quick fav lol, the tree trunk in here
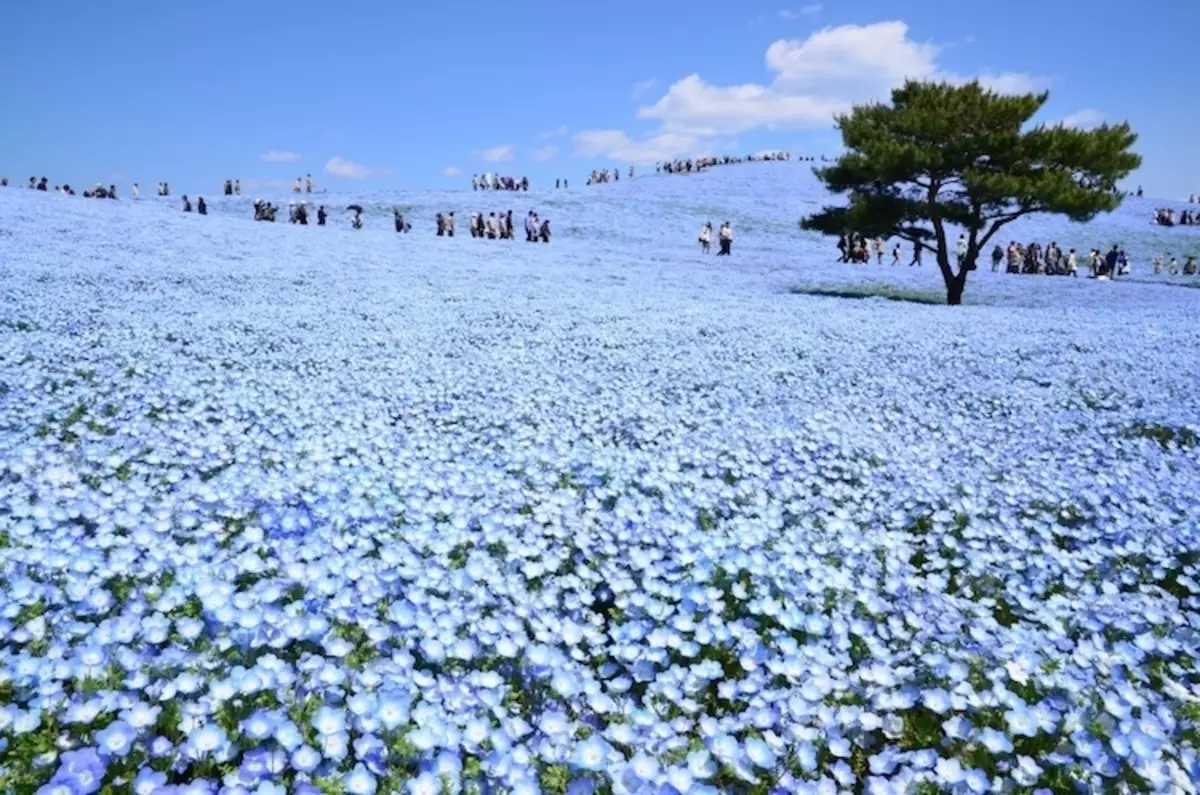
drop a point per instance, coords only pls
(955, 287)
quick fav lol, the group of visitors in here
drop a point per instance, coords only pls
(600, 176)
(856, 248)
(1165, 216)
(307, 184)
(686, 166)
(1051, 261)
(1171, 264)
(233, 187)
(724, 238)
(1033, 258)
(201, 205)
(491, 181)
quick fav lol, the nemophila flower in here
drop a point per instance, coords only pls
(425, 784)
(116, 739)
(260, 725)
(994, 741)
(205, 741)
(359, 781)
(305, 759)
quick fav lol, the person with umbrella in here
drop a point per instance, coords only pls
(357, 220)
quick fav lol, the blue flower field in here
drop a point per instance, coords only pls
(309, 510)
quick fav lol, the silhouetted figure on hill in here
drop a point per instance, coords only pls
(302, 214)
(544, 231)
(136, 191)
(398, 221)
(187, 205)
(357, 221)
(450, 224)
(112, 191)
(322, 214)
(508, 225)
(491, 226)
(440, 220)
(42, 184)
(706, 237)
(237, 187)
(228, 187)
(725, 239)
(201, 206)
(3, 182)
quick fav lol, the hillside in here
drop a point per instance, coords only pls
(655, 218)
(353, 512)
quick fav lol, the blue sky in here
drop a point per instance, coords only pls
(400, 94)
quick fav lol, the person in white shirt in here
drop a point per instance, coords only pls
(725, 238)
(706, 237)
(961, 249)
(137, 192)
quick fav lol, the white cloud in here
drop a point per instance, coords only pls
(802, 11)
(1083, 119)
(557, 132)
(814, 79)
(497, 154)
(451, 171)
(543, 153)
(280, 156)
(340, 167)
(642, 86)
(616, 145)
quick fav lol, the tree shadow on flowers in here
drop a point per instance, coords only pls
(883, 291)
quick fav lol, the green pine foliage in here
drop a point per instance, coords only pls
(943, 155)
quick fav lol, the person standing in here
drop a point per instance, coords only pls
(725, 239)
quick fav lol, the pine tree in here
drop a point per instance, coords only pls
(944, 155)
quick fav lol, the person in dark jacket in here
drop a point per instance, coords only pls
(1110, 261)
(201, 207)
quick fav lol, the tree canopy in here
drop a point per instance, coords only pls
(943, 155)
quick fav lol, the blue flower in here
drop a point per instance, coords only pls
(359, 781)
(116, 739)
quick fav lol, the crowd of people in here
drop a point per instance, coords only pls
(687, 166)
(1029, 259)
(493, 226)
(1165, 216)
(491, 181)
(1014, 258)
(1171, 264)
(599, 176)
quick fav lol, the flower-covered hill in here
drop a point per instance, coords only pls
(300, 509)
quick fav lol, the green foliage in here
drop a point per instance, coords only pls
(944, 155)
